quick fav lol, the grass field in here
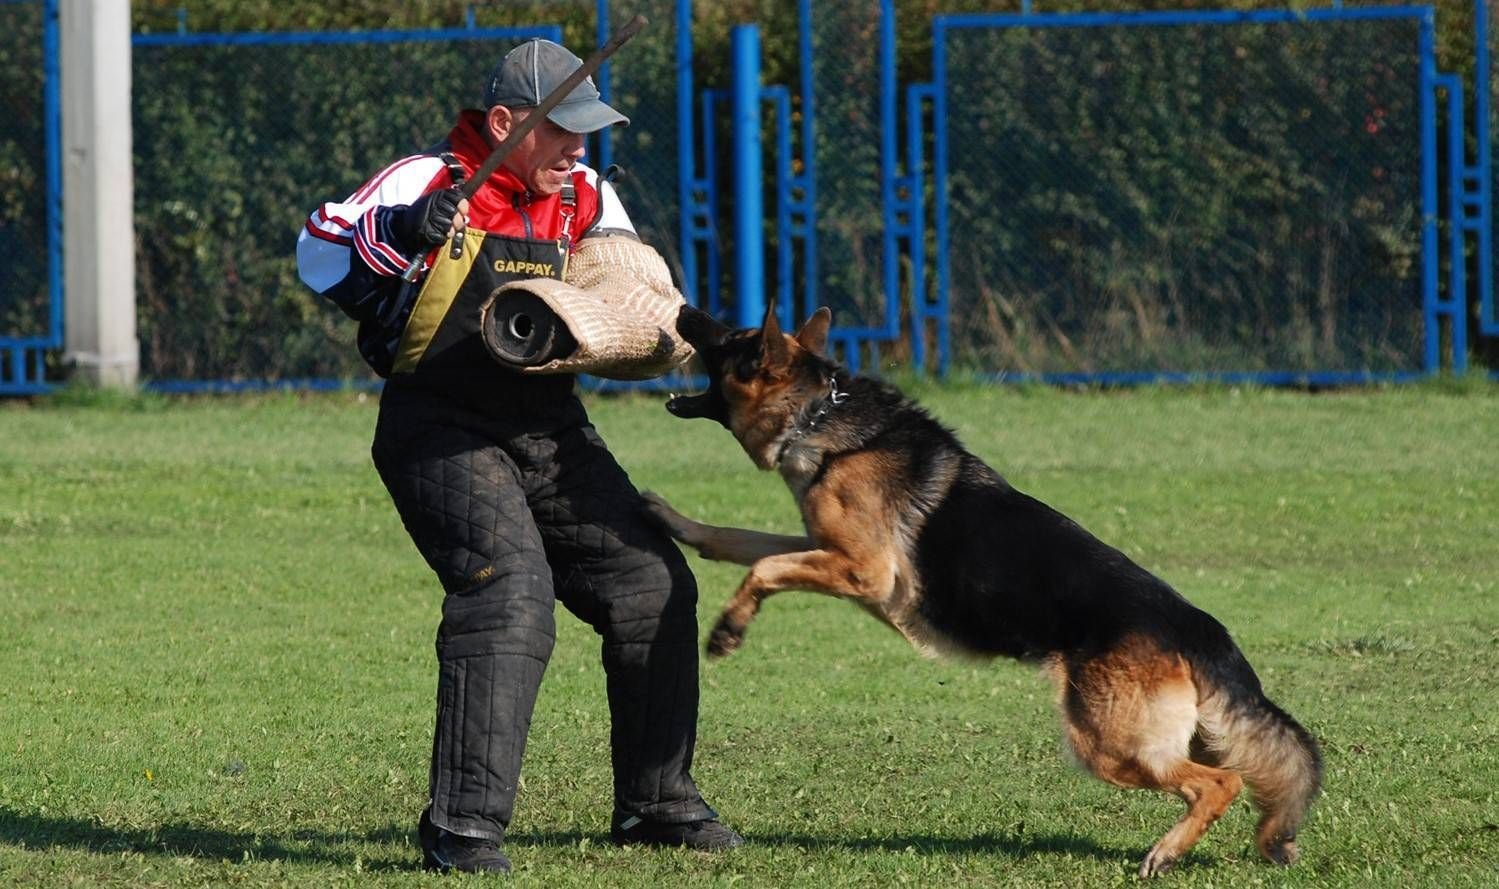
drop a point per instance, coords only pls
(217, 665)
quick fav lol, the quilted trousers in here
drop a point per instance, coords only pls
(517, 505)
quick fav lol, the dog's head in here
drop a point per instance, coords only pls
(758, 378)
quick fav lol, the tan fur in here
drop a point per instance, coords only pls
(1130, 716)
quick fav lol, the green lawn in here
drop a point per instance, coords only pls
(216, 659)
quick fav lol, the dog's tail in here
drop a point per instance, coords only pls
(1245, 732)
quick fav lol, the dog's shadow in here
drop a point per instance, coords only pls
(1010, 845)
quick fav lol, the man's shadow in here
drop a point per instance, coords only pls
(300, 845)
(326, 846)
(315, 845)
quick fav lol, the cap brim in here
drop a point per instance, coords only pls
(586, 116)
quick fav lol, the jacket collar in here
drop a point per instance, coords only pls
(467, 142)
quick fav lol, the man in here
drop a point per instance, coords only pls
(502, 483)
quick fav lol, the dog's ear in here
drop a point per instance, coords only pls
(814, 334)
(772, 341)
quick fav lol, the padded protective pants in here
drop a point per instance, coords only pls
(515, 507)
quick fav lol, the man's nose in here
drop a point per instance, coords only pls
(575, 148)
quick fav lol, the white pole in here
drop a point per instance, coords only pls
(98, 190)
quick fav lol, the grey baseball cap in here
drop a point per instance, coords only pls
(532, 70)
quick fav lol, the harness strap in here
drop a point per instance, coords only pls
(455, 169)
(455, 173)
(568, 209)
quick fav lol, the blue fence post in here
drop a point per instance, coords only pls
(806, 183)
(889, 162)
(1432, 363)
(922, 307)
(1488, 318)
(939, 180)
(52, 114)
(686, 148)
(749, 199)
(780, 99)
(605, 83)
(707, 206)
(1455, 306)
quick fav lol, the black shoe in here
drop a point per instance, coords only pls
(708, 835)
(443, 850)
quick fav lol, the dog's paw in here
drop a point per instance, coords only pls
(1281, 851)
(725, 638)
(1156, 863)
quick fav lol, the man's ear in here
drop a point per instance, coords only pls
(499, 120)
(814, 334)
(772, 341)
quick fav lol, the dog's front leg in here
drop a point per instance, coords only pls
(822, 571)
(735, 545)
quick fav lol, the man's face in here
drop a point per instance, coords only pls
(542, 159)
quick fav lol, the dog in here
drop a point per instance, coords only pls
(905, 522)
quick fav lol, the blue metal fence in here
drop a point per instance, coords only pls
(1400, 326)
(1084, 233)
(229, 168)
(31, 307)
(938, 241)
(281, 334)
(1481, 176)
(646, 85)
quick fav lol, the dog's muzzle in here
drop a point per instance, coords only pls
(688, 407)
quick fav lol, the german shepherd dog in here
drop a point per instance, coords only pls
(904, 521)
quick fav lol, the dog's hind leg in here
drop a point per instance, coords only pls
(1130, 716)
(1208, 792)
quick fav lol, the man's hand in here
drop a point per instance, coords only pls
(430, 220)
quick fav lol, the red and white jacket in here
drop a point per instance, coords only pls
(347, 254)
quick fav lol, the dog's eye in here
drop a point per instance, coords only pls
(746, 368)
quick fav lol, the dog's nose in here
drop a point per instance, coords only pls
(686, 406)
(699, 328)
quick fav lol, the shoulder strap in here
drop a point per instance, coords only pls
(568, 208)
(455, 169)
(613, 173)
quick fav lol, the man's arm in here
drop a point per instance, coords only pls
(611, 219)
(353, 252)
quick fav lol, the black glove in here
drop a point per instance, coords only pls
(425, 223)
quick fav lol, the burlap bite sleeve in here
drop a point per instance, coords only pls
(617, 303)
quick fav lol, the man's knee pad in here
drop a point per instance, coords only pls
(510, 614)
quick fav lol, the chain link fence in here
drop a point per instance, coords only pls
(1489, 350)
(643, 85)
(23, 168)
(846, 128)
(1186, 198)
(234, 147)
(237, 142)
(1194, 198)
